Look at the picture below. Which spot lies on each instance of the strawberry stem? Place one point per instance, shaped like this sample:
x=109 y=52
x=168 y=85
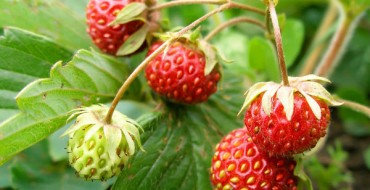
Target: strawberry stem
x=337 y=45
x=233 y=22
x=279 y=43
x=186 y=2
x=143 y=64
x=319 y=43
x=356 y=106
x=215 y=2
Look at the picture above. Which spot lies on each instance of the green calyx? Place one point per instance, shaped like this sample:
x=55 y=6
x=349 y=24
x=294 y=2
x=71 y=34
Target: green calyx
x=98 y=150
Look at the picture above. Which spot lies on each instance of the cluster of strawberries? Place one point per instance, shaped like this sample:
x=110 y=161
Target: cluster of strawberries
x=281 y=121
x=179 y=76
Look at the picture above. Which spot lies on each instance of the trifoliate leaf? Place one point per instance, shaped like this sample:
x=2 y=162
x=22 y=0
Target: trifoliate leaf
x=129 y=13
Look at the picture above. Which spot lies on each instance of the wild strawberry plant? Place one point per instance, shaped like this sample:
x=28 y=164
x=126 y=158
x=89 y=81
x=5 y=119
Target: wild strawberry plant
x=119 y=92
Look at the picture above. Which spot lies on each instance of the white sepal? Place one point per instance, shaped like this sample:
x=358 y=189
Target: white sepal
x=92 y=130
x=286 y=96
x=310 y=77
x=113 y=136
x=254 y=91
x=267 y=98
x=77 y=125
x=130 y=142
x=315 y=107
x=317 y=90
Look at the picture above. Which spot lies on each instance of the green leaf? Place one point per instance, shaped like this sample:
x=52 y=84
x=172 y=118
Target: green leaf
x=332 y=175
x=39 y=172
x=129 y=13
x=5 y=179
x=262 y=57
x=304 y=182
x=292 y=35
x=367 y=157
x=24 y=57
x=237 y=53
x=60 y=20
x=45 y=104
x=179 y=144
x=134 y=42
x=355 y=123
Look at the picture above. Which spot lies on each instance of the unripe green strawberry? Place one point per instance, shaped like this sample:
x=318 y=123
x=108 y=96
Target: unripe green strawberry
x=98 y=150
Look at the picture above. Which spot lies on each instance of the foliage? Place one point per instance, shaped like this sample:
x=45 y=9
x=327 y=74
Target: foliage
x=332 y=175
x=48 y=66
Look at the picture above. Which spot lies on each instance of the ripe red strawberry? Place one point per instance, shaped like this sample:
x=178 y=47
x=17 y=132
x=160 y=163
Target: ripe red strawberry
x=100 y=13
x=179 y=75
x=281 y=137
x=282 y=120
x=238 y=164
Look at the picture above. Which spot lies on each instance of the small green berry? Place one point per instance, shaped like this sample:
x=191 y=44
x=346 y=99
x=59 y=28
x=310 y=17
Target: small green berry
x=98 y=150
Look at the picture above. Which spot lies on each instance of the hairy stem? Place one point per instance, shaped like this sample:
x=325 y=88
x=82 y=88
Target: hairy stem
x=356 y=107
x=186 y=2
x=143 y=64
x=279 y=43
x=247 y=8
x=215 y=2
x=338 y=44
x=267 y=24
x=232 y=22
x=318 y=42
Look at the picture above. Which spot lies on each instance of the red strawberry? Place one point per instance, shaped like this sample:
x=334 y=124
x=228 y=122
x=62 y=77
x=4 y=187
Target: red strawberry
x=179 y=75
x=282 y=120
x=238 y=164
x=100 y=13
x=281 y=137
